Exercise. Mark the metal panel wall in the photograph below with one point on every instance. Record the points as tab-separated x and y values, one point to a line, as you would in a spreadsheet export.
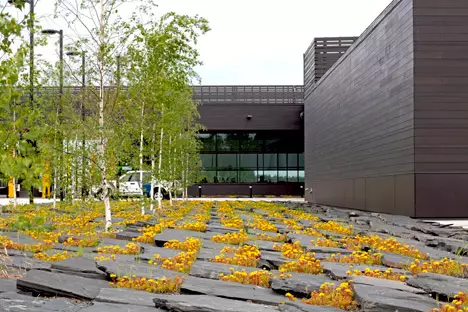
441	107
359	144
237	108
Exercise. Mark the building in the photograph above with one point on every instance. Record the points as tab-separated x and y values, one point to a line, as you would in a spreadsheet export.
386	128
254	140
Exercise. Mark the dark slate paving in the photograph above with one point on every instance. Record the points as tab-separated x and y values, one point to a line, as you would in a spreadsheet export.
7	285
207	254
271	260
299	284
64	285
262	245
380	282
126	296
109	307
179	235
327	250
79	266
338	270
396	261
150	251
303	239
382	299
199	303
298	306
206	269
26	263
61	247
230	290
127	235
208	244
113	242
137	269
439	284
14	302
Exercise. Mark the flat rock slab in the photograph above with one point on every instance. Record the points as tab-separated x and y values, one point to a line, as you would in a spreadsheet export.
7	285
202	303
231	290
439	284
303	239
138	269
271	260
380	282
396	261
113	242
127	235
64	285
262	245
327	250
212	270
26	263
79	266
14	302
126	296
297	306
207	254
382	299
299	284
179	235
338	270
150	251
209	244
109	307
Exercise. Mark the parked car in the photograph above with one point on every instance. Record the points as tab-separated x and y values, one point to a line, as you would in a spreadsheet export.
130	184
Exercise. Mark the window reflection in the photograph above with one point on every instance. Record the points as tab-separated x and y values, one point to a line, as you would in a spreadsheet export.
249	157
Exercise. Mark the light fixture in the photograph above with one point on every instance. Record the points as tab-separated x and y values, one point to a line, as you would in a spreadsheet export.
249	117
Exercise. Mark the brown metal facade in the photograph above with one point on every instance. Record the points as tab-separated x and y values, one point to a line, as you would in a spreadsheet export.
386	128
359	126
441	107
253	138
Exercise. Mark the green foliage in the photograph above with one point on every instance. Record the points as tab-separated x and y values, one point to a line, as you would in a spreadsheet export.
36	223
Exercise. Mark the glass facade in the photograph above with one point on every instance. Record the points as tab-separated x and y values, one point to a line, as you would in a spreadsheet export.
252	157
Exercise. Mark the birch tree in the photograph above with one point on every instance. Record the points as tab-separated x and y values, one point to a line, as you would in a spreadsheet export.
164	58
101	30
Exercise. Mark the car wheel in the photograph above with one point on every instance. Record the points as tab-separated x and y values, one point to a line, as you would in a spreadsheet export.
155	195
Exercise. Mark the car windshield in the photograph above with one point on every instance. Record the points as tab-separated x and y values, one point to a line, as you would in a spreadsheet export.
125	177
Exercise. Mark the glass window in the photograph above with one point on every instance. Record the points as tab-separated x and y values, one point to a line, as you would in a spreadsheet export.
292	161
227	142
271	176
248	176
227	176
126	177
292	176
248	142
260	161
282	161
282	176
260	176
270	161
208	160
227	161
208	141
248	161
301	161
135	177
207	177
301	175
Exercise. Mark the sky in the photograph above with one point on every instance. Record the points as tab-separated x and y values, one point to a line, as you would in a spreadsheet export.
256	42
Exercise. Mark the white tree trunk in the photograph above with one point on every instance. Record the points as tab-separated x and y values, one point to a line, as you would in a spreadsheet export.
141	160
74	170
153	166
103	139
171	173
159	168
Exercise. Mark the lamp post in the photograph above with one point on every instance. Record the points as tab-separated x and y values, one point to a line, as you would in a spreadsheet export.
59	109
83	88
31	49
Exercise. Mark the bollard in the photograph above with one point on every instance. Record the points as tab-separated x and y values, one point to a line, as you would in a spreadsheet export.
251	191
199	191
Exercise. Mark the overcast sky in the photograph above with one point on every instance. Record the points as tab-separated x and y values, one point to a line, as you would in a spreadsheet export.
259	41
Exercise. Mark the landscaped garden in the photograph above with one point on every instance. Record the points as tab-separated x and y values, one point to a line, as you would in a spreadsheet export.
228	256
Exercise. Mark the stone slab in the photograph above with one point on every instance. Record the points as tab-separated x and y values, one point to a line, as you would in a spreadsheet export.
199	303
180	235
382	299
56	284
138	269
14	302
79	266
297	306
109	307
439	284
380	282
125	296
212	270
230	290
299	284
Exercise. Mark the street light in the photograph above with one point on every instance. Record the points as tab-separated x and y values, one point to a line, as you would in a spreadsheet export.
60	33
